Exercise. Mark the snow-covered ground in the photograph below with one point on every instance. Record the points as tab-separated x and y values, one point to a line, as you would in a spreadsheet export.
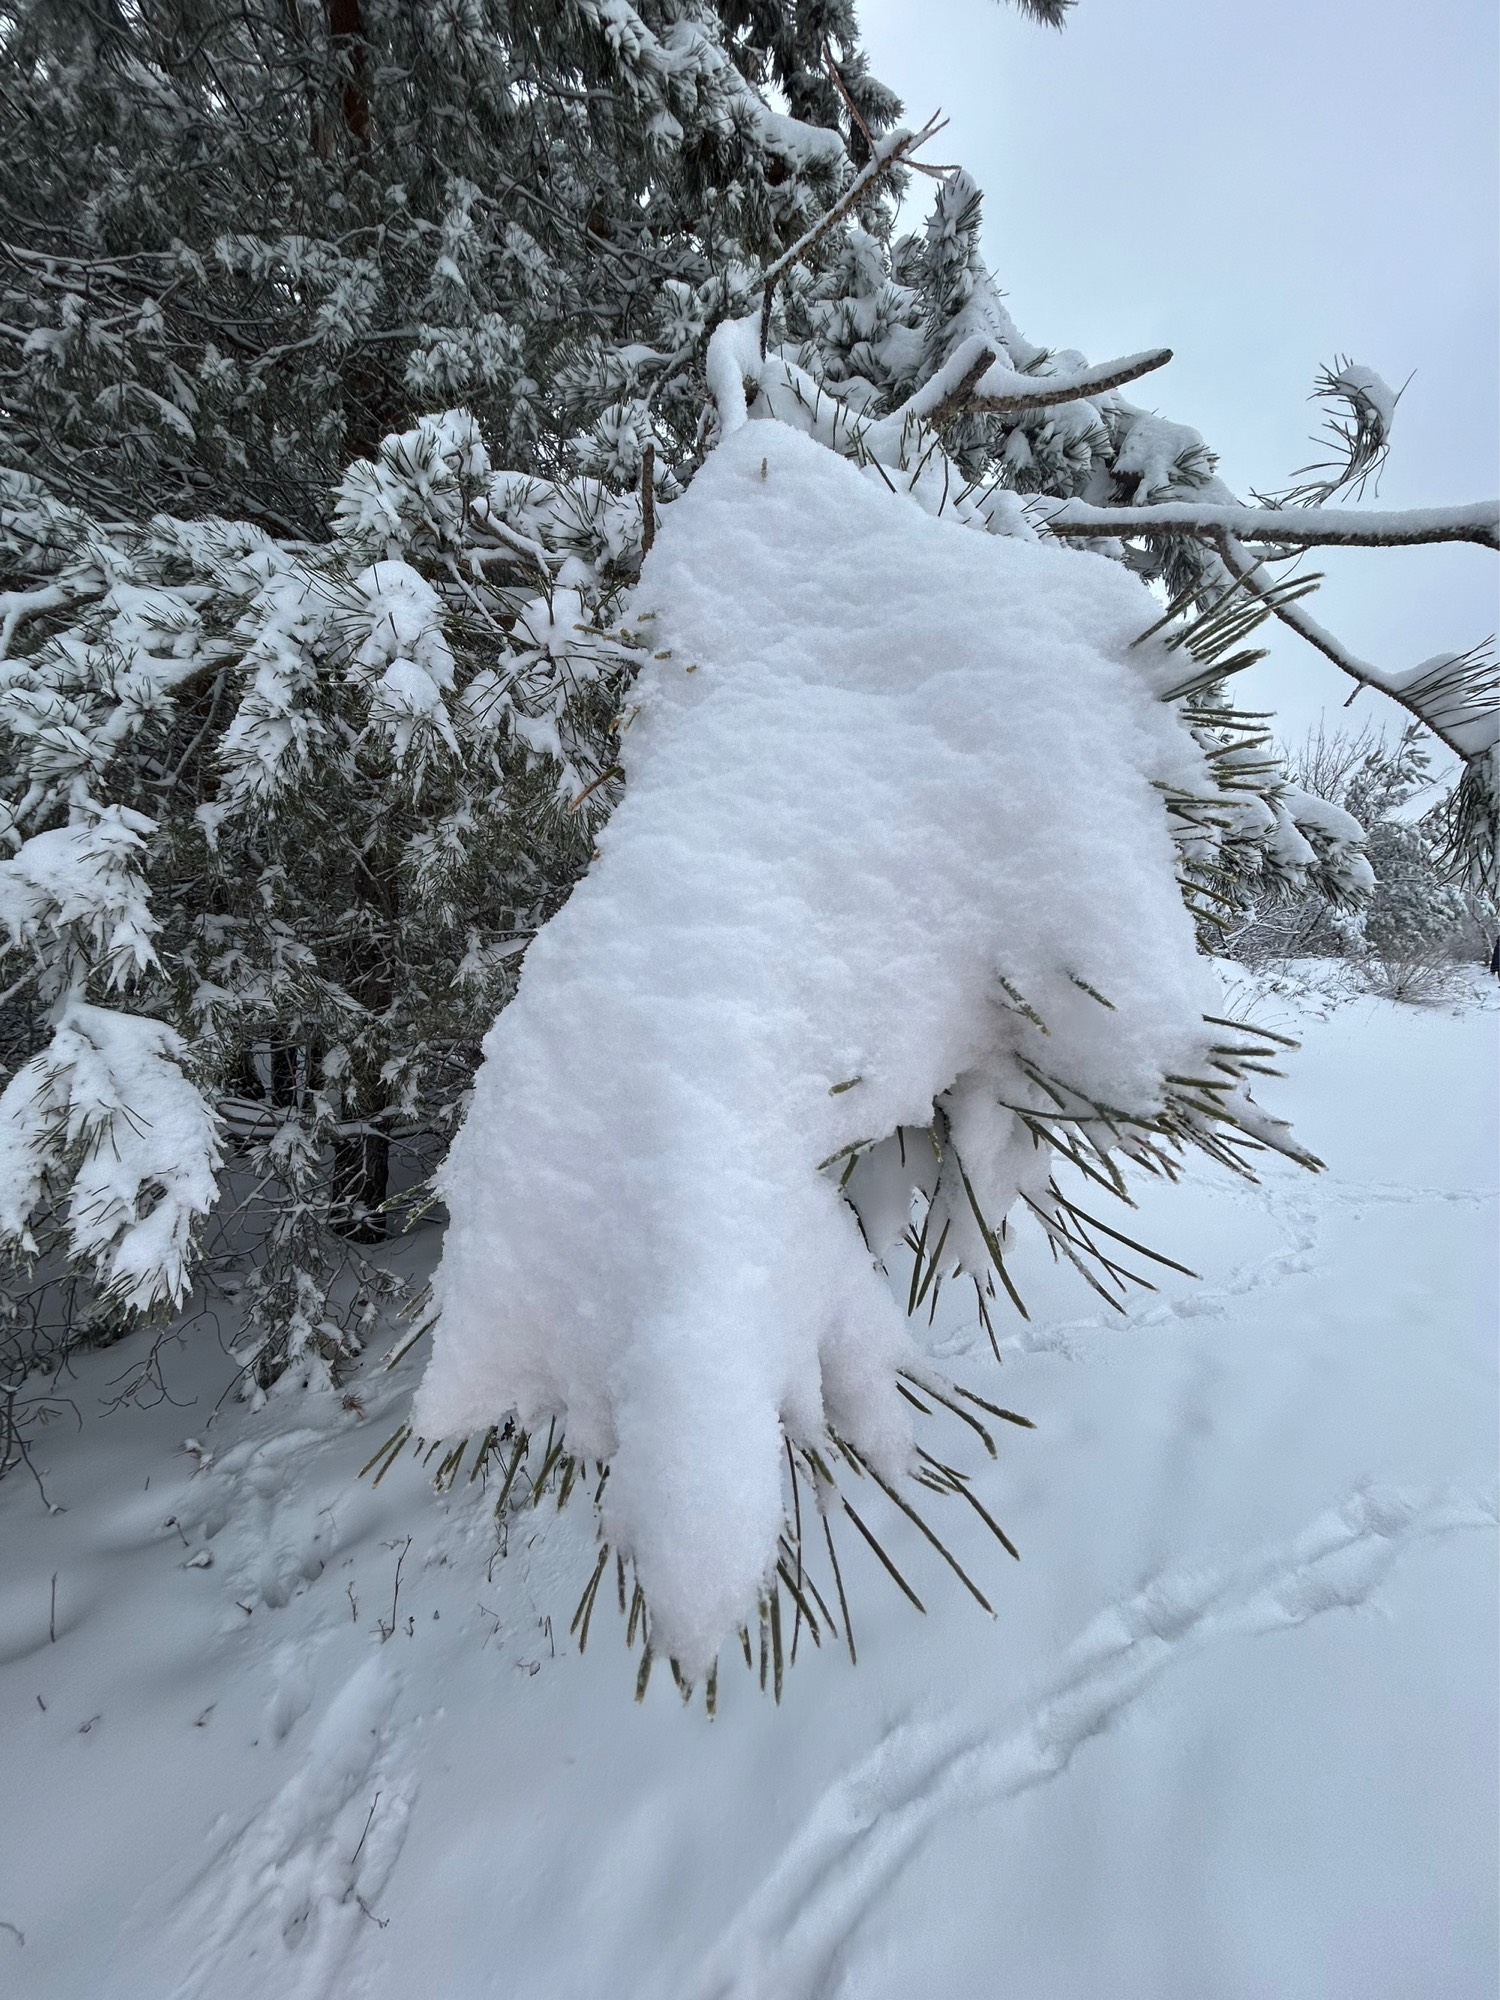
1232	1735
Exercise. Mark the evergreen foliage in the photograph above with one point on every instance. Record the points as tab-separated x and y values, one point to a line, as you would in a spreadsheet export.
1418	913
306	804
245	244
351	349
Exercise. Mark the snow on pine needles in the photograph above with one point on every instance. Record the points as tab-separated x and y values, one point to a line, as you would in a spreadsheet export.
889	913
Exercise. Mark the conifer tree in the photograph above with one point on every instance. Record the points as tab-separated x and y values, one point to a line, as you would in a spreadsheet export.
354	354
244	245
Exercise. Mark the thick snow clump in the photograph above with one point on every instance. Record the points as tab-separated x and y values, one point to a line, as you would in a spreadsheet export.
890	804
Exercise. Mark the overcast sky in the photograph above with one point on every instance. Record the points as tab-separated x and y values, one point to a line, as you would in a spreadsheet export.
1258	189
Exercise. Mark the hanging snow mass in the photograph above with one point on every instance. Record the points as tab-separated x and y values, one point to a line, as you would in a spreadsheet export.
891	886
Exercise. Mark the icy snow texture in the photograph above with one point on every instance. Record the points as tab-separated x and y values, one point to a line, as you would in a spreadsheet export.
884	766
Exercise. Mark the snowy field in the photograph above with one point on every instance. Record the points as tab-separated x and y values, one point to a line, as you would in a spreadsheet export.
1232	1735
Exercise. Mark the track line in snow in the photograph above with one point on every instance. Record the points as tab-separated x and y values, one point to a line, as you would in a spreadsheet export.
1300	1218
1301	1212
786	1942
280	1907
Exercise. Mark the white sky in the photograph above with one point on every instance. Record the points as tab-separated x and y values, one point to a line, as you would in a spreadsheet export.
1259	189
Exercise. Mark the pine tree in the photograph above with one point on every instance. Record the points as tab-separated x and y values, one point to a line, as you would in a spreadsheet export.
1418	915
353	365
305	804
244	245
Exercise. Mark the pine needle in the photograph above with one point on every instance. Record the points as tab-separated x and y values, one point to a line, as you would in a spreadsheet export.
962	1415
775	1600
523	1446
924	1528
955	1483
392	1445
838	1578
896	1577
1009	1416
586	1603
804	1610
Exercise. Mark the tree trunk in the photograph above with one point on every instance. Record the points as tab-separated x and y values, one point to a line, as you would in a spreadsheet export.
362	1159
361	1179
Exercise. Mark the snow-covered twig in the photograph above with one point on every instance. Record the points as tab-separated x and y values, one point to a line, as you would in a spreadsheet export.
18	604
891	153
1302	527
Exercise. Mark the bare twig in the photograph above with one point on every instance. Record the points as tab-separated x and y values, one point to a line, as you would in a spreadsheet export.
842	88
648	499
369	1817
386	1631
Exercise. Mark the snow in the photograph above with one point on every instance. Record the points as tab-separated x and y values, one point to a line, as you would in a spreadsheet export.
1365	386
1234	1733
841	887
1337	838
1307	527
109	1092
403	647
1153	452
85	878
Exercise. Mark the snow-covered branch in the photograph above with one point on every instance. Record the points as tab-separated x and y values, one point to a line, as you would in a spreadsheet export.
1300	527
1452	694
984	703
975	377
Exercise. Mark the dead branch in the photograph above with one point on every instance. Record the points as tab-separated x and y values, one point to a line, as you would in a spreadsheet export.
975	378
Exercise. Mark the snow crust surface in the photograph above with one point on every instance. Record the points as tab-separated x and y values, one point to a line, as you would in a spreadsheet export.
889	806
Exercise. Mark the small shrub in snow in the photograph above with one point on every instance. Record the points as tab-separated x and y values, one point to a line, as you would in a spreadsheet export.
1420	908
1422	979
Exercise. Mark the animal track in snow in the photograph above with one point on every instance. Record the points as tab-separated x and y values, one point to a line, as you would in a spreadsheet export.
282	1539
787	1939
1200	1301
279	1908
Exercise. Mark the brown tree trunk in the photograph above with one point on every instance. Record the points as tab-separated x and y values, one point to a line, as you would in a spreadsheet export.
361	1180
346	27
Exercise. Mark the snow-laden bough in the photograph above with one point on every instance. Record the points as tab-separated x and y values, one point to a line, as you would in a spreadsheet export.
889	915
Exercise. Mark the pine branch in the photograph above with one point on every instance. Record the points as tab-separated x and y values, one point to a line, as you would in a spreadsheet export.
1302	527
1454	698
975	378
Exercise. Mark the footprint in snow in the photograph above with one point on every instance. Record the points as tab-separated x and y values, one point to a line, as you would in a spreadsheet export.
788	1937
282	1906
